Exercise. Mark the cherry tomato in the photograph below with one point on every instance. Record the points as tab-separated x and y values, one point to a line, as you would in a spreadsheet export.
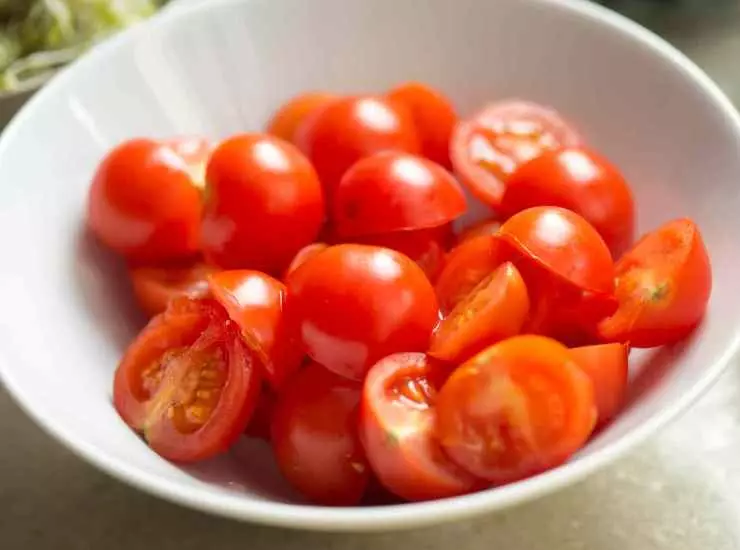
397	425
434	118
357	303
483	227
195	151
286	121
314	436
187	382
487	148
304	254
263	204
663	287
578	179
607	367
155	287
352	128
261	422
257	303
495	310
518	408
143	203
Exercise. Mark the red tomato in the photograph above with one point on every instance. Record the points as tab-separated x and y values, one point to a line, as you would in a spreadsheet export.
257	303
286	121
487	148
518	408
155	287
434	118
187	382
143	203
358	303
607	367
304	254
495	310
263	204
261	422
397	425
580	180
352	128
195	152
314	436
393	191
483	227
663	287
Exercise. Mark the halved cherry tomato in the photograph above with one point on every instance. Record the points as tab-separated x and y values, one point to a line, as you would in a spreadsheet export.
187	382
663	287
144	205
357	303
155	287
257	303
289	117
434	118
392	191
352	128
607	367
581	180
516	409
315	439
488	147
304	254
263	204
495	310
397	425
483	227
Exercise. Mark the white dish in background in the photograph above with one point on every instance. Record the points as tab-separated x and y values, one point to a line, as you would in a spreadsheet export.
221	67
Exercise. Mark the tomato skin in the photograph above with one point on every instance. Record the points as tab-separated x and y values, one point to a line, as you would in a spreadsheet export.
496	309
155	287
352	128
303	255
314	436
581	180
663	287
288	118
607	366
261	422
397	423
518	408
263	204
358	303
392	191
434	117
483	227
142	203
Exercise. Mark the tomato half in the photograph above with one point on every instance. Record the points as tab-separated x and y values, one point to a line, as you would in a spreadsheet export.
518	408
357	303
483	227
288	118
607	366
397	425
257	303
663	287
433	115
315	439
263	204
581	180
187	382
393	191
144	205
304	254
488	147
155	287
494	310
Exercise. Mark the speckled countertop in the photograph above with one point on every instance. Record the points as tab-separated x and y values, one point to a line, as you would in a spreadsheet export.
681	491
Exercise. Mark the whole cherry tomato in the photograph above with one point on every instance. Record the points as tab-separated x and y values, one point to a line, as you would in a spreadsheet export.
483	227
195	151
303	255
393	191
357	303
263	204
581	180
663	287
315	439
155	287
607	367
286	120
518	408
397	425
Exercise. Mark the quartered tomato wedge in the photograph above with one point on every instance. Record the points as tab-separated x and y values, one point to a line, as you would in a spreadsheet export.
516	409
488	147
155	287
187	382
607	367
478	229
663	287
287	120
397	426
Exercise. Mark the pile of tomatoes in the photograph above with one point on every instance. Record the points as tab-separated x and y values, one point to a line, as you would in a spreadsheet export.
306	286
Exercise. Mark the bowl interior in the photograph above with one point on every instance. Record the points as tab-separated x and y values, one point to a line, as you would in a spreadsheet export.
221	68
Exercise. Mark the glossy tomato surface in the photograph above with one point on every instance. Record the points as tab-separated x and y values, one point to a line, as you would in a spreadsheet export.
155	287
288	118
607	367
303	255
478	229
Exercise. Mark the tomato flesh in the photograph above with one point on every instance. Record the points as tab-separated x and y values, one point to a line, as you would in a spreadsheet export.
607	367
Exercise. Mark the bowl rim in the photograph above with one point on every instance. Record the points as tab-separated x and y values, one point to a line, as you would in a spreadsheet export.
371	518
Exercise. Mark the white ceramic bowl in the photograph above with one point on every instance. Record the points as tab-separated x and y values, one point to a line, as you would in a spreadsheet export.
221	67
